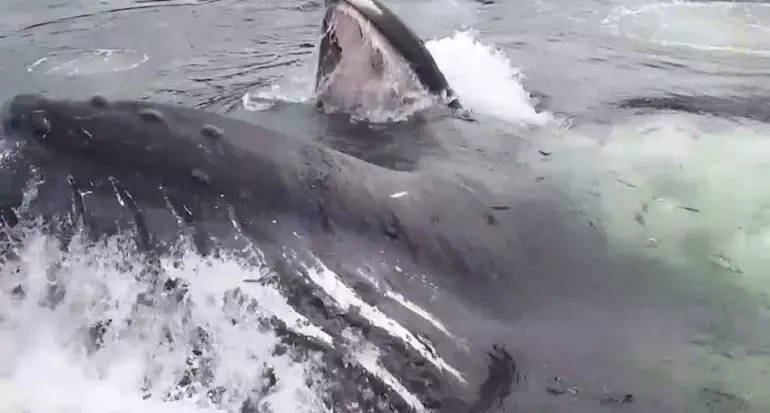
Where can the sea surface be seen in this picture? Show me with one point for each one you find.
(651, 118)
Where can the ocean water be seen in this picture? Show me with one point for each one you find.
(679, 183)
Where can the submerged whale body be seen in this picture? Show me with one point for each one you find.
(755, 107)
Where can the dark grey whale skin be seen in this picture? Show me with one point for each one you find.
(207, 161)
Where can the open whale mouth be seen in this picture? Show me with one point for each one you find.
(360, 69)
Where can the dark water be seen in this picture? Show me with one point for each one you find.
(581, 55)
(657, 157)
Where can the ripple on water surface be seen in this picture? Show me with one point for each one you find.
(88, 62)
(729, 27)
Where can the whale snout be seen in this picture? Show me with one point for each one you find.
(25, 117)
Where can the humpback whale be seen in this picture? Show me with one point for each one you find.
(155, 172)
(160, 176)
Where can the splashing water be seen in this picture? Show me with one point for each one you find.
(485, 79)
(74, 337)
(106, 330)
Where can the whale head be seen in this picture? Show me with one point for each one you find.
(370, 60)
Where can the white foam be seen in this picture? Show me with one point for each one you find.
(46, 366)
(484, 78)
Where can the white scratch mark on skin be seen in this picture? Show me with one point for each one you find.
(346, 298)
